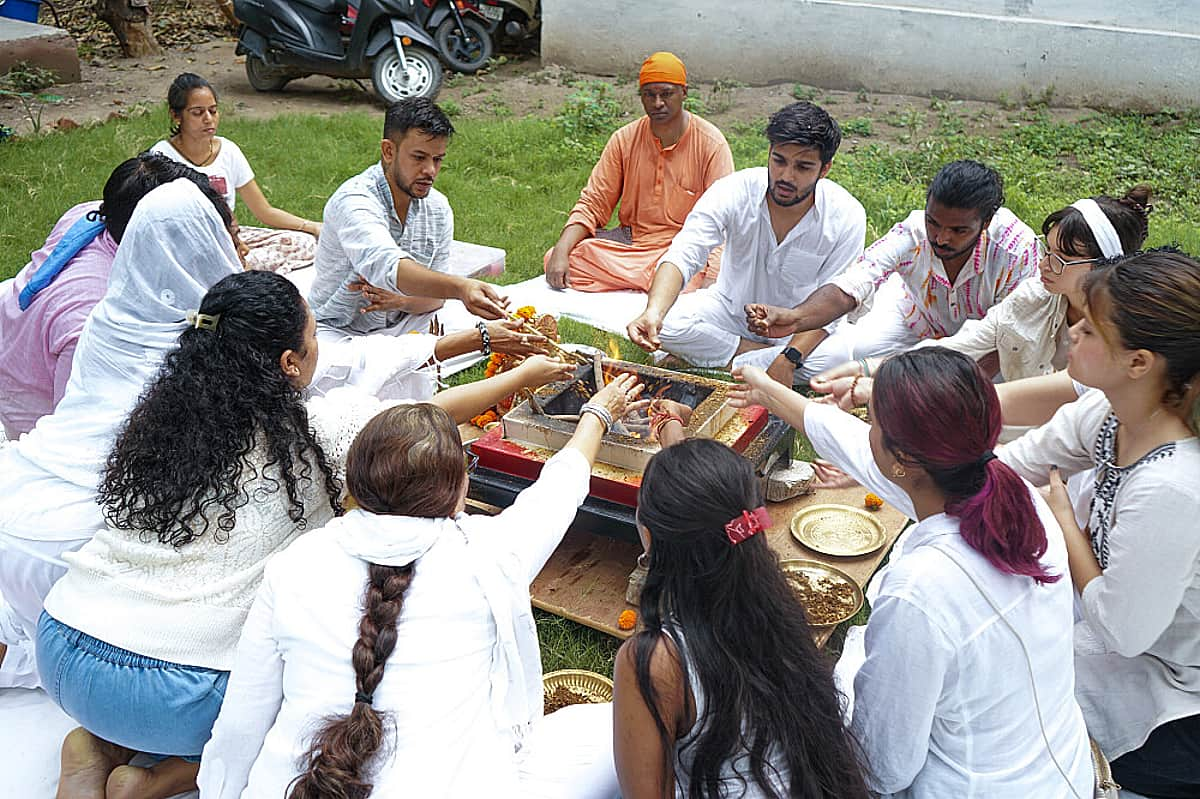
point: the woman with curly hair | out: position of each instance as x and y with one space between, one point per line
963 680
393 653
723 693
221 464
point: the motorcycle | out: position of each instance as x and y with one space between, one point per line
463 31
518 20
288 39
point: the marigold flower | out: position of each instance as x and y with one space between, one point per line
626 620
872 502
527 312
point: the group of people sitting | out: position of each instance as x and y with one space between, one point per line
234 536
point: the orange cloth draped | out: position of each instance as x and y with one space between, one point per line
656 189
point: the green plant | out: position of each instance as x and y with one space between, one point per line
695 104
862 96
590 111
451 108
722 94
859 126
27 77
805 93
33 105
1005 102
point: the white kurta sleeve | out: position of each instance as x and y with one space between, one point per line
534 525
366 241
1153 550
1066 441
975 339
896 692
703 229
844 440
252 701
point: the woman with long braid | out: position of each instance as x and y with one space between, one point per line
428 681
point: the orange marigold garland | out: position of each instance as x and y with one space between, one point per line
626 620
872 502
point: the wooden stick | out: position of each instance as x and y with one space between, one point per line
554 345
563 417
598 370
534 405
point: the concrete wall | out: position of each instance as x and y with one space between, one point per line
1142 54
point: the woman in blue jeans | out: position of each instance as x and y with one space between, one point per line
221 464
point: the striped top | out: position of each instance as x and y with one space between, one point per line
1006 253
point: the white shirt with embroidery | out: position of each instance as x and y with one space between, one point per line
1006 253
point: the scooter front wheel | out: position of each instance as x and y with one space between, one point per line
262 78
466 49
420 75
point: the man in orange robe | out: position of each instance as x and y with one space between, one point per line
656 167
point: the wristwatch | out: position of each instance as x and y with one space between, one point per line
794 355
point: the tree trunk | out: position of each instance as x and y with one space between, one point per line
130 21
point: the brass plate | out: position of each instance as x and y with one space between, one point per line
596 687
823 577
838 530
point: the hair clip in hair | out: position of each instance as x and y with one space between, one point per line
203 321
749 523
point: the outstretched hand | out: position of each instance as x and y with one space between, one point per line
378 299
769 321
753 386
482 299
830 476
644 331
538 370
507 338
620 391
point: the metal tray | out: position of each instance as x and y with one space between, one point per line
838 530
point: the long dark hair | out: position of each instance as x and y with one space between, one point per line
935 407
407 461
176 470
766 687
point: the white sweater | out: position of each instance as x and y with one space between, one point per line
187 605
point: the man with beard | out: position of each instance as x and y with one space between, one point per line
385 244
787 231
653 170
955 259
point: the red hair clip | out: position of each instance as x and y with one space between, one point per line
750 522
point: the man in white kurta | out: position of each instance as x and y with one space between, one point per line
787 230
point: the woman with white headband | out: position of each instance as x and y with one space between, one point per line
1028 329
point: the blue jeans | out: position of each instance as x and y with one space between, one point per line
138 702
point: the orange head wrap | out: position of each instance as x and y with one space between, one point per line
662 68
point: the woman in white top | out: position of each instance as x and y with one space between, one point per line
195 115
1136 563
178 243
393 653
722 693
1028 330
964 688
220 465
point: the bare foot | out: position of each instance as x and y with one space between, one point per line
86 763
167 778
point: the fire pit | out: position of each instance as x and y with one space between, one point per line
512 455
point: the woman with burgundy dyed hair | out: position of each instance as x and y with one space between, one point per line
962 682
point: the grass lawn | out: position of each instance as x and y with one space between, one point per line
512 182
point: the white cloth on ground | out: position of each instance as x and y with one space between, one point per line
228 172
175 248
443 685
363 236
387 366
187 605
942 703
755 266
1144 609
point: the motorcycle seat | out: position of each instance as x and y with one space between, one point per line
325 6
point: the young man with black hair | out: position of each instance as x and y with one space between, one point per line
387 235
955 259
787 230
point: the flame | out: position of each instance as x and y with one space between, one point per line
614 351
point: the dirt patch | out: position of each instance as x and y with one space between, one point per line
113 86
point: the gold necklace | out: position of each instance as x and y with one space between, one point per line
207 160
